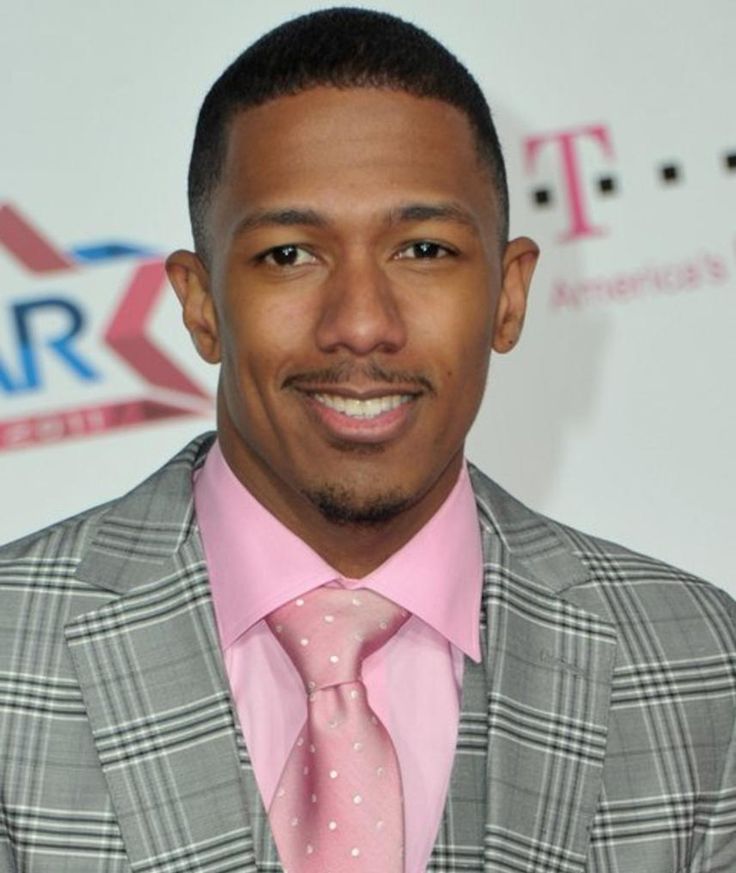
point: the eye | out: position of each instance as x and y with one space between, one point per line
425 250
287 256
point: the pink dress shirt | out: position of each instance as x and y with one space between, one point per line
413 683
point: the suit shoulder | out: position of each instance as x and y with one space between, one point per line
63 540
39 590
66 540
609 562
628 588
662 611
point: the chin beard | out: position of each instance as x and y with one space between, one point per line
338 506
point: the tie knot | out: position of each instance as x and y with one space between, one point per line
329 631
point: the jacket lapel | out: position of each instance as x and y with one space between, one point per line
534 717
153 683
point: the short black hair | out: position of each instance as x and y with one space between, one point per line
342 47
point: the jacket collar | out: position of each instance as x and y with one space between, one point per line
136 537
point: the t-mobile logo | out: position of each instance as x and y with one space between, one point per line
568 145
573 150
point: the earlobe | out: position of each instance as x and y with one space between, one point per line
190 281
519 260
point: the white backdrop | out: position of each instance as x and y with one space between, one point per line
615 414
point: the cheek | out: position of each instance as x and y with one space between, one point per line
466 353
259 335
464 339
244 367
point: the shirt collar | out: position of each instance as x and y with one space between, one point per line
256 563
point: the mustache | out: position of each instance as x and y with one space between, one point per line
347 371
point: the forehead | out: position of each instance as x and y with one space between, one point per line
360 149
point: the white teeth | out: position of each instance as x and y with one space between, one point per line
371 407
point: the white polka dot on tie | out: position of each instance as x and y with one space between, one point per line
380 825
280 792
311 685
359 637
333 774
310 848
383 625
299 601
329 619
357 746
356 601
333 722
379 771
313 749
279 628
334 659
294 822
355 852
332 825
300 741
304 641
357 800
314 798
354 694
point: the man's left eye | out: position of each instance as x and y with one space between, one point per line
425 250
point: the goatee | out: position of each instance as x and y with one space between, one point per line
338 506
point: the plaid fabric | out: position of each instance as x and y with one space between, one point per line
597 735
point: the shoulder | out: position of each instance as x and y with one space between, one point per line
53 551
39 592
639 591
40 568
660 611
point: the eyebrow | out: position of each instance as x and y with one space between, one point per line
279 218
413 212
404 214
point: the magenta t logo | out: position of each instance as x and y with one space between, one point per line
567 143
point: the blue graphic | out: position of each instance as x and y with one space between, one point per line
31 344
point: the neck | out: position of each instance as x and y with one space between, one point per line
353 548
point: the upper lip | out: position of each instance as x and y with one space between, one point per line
360 393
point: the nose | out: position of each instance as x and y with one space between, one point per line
360 311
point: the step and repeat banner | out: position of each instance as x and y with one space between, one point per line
616 412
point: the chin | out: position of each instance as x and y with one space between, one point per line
338 504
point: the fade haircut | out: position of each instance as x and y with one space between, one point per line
343 48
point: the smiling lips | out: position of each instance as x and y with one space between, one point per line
368 408
362 419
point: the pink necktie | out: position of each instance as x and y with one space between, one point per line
338 804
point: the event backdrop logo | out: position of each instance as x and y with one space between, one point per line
566 143
579 153
43 332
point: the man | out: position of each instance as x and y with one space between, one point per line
539 700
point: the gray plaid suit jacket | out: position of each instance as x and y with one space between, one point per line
597 734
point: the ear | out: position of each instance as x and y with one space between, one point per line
190 281
519 260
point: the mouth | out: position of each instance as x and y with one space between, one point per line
363 419
367 408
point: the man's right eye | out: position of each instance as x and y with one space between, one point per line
287 256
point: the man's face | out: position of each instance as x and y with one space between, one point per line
353 282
